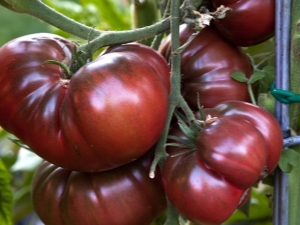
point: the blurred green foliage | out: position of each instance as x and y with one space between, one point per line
14 25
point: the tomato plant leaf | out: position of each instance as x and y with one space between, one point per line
111 13
256 77
6 196
269 69
289 158
172 215
183 143
239 76
269 76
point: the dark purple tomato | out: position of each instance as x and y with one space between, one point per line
121 196
249 22
206 67
110 112
238 148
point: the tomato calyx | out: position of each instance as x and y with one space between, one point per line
79 59
202 17
209 120
66 71
190 131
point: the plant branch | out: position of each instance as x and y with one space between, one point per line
45 13
160 151
250 91
107 38
175 98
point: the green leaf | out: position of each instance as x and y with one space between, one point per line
288 160
111 13
239 76
6 196
172 215
269 69
269 76
256 77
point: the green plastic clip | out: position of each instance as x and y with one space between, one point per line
284 96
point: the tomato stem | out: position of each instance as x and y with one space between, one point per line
160 151
250 91
175 99
40 10
64 67
96 37
107 38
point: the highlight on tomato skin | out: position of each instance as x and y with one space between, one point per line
108 113
248 22
197 191
206 66
125 195
240 147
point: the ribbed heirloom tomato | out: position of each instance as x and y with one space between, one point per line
248 22
206 66
242 146
121 196
107 114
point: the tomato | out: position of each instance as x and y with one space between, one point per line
110 112
206 67
232 153
262 120
249 22
121 196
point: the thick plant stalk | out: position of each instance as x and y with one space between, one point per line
41 11
294 176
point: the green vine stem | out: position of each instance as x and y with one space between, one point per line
43 12
175 99
252 97
107 38
294 181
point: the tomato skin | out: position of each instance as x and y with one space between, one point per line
206 67
233 156
121 196
262 120
197 191
110 112
232 153
249 22
151 57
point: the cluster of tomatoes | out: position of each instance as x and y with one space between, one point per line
96 127
240 143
